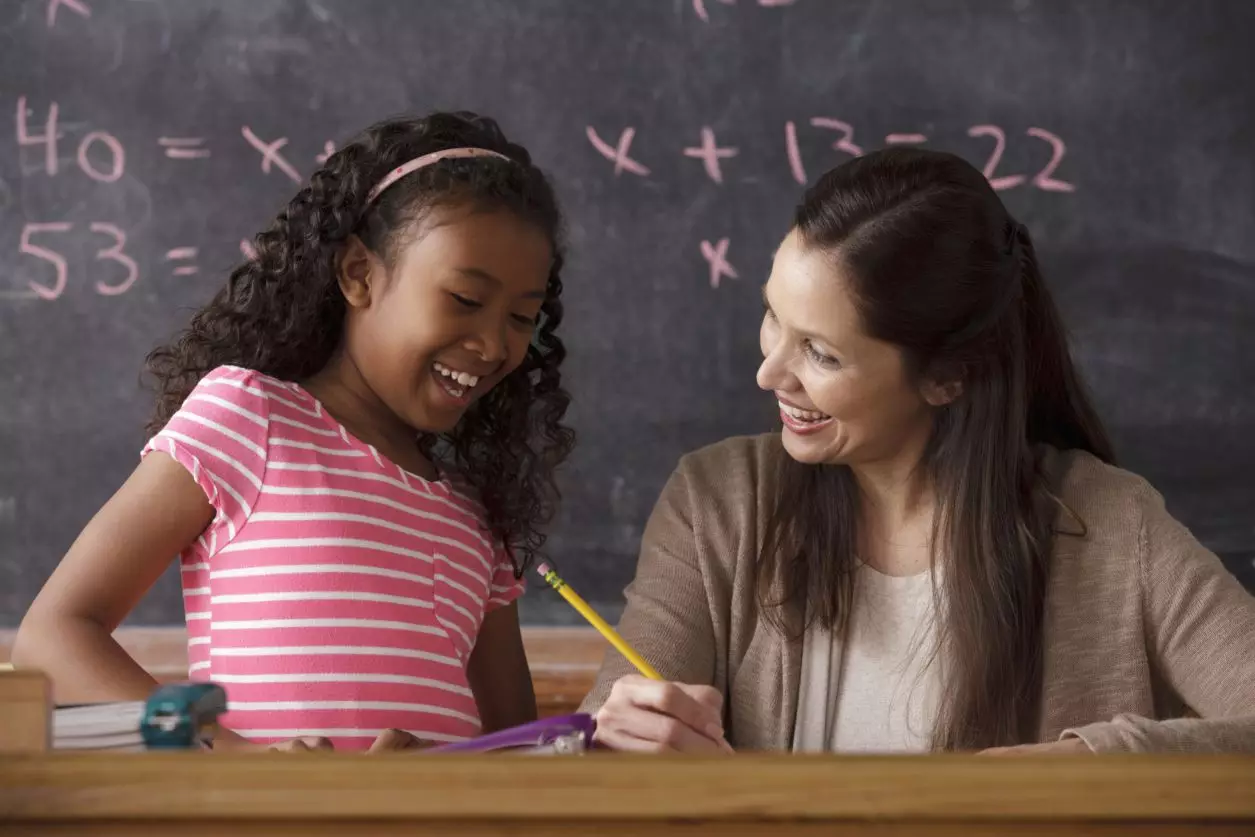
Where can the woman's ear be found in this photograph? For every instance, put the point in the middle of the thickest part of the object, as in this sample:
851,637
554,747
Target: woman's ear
939,394
357,273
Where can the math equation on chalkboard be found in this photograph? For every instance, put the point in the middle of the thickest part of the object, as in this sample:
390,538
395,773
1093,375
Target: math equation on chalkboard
52,144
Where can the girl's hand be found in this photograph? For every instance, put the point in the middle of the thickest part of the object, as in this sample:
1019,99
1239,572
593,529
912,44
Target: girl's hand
650,716
226,741
1066,747
396,739
302,745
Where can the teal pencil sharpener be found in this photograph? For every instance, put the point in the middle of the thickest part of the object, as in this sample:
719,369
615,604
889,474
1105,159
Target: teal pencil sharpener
182,716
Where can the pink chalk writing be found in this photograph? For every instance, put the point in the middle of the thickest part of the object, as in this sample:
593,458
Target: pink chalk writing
905,139
184,148
48,137
76,6
1009,181
112,172
710,154
328,148
717,257
791,149
247,250
25,245
115,253
115,149
699,6
270,154
181,254
619,154
846,143
1044,179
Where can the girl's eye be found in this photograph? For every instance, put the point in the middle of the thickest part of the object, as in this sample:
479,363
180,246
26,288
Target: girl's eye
818,356
524,320
465,302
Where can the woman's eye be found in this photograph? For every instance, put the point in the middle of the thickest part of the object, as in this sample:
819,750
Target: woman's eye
465,302
818,356
524,320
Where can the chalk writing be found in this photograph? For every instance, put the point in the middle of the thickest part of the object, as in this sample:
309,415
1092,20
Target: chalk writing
115,149
180,254
710,154
54,258
270,154
905,139
991,165
1044,179
184,148
619,154
108,174
103,158
716,257
116,253
48,137
699,6
76,6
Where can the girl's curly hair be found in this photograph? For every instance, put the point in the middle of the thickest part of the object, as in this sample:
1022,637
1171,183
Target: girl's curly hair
282,312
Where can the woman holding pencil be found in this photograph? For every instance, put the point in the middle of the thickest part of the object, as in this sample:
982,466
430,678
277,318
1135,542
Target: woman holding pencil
938,551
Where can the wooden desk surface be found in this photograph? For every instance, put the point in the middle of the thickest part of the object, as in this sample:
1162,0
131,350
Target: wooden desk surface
195,794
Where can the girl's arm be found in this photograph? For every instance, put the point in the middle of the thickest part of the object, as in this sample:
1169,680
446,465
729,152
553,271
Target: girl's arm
68,631
498,672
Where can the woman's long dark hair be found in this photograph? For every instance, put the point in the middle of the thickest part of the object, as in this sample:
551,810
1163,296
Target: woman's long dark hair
282,313
940,269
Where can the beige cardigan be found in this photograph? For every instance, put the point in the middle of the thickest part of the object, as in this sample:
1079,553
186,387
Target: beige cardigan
1143,624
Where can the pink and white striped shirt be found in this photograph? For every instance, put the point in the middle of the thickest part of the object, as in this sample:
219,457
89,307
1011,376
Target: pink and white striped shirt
334,593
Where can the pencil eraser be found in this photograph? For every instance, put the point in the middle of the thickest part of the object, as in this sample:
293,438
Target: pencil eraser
543,568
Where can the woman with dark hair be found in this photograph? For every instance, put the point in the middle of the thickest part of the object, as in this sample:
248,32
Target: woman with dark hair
938,551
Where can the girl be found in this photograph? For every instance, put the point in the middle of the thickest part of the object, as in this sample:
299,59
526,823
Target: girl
354,450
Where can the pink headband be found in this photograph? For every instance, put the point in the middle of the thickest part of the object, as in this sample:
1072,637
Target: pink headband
426,160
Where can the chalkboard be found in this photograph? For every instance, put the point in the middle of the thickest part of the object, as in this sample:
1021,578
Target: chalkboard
142,141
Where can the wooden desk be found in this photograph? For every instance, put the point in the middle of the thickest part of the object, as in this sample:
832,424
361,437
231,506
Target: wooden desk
207,795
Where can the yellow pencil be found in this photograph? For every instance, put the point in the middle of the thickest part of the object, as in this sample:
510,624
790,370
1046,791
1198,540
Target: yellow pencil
597,622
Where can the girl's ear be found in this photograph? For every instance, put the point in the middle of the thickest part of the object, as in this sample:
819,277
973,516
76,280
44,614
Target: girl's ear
357,273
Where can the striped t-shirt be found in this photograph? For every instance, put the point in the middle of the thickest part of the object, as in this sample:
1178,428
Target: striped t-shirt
334,593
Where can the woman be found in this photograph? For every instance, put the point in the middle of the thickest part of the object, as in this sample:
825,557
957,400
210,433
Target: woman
937,552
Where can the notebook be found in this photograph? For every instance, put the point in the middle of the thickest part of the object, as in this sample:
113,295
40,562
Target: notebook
98,726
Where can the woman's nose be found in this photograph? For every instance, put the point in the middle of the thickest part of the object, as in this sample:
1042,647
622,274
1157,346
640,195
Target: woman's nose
774,372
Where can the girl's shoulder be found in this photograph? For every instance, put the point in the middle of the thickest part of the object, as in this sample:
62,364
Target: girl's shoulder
250,389
239,376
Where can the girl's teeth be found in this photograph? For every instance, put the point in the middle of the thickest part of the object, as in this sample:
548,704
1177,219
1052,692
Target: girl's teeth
462,378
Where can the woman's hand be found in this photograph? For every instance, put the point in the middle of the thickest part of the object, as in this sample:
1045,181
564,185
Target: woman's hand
651,716
1066,747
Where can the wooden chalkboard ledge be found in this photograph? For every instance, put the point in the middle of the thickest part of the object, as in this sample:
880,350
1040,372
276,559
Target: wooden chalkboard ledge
564,661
